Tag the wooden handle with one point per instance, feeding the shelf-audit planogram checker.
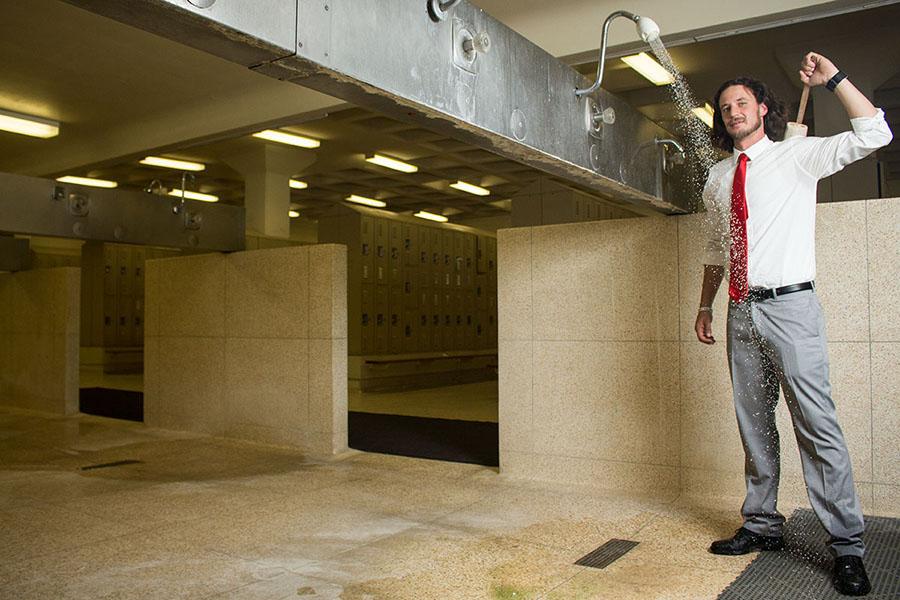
(803, 98)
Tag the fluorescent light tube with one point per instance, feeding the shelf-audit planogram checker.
(293, 214)
(288, 138)
(101, 183)
(195, 196)
(704, 113)
(472, 189)
(298, 185)
(366, 201)
(644, 64)
(391, 163)
(171, 163)
(431, 216)
(28, 125)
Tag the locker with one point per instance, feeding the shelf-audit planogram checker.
(366, 249)
(423, 331)
(395, 252)
(410, 341)
(382, 318)
(137, 322)
(109, 270)
(410, 245)
(395, 319)
(382, 250)
(110, 320)
(424, 236)
(124, 274)
(410, 288)
(491, 255)
(469, 262)
(481, 254)
(367, 319)
(124, 319)
(139, 257)
(481, 292)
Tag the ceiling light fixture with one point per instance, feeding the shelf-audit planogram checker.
(422, 214)
(471, 189)
(297, 184)
(651, 70)
(90, 181)
(28, 125)
(293, 214)
(366, 201)
(288, 138)
(704, 113)
(194, 196)
(391, 163)
(171, 163)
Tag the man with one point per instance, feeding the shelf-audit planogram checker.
(762, 200)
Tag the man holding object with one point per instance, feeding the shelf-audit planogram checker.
(762, 204)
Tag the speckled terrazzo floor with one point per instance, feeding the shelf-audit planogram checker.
(202, 517)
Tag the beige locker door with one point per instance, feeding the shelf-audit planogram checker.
(481, 254)
(410, 288)
(139, 258)
(367, 328)
(124, 273)
(366, 249)
(382, 250)
(424, 247)
(395, 252)
(395, 321)
(382, 319)
(410, 242)
(137, 321)
(124, 321)
(469, 262)
(410, 331)
(110, 280)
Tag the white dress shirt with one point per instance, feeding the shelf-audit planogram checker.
(781, 199)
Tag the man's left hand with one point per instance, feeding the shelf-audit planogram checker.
(815, 70)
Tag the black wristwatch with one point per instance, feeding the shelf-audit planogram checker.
(834, 81)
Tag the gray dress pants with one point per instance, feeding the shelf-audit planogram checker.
(782, 340)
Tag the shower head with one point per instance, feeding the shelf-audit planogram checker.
(647, 29)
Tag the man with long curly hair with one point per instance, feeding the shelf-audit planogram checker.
(762, 200)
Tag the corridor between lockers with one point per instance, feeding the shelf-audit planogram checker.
(422, 334)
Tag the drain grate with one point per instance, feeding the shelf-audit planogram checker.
(803, 572)
(606, 554)
(118, 463)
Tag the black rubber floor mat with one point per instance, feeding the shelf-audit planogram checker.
(473, 442)
(117, 404)
(803, 571)
(606, 554)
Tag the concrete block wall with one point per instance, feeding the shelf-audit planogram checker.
(39, 332)
(250, 345)
(622, 395)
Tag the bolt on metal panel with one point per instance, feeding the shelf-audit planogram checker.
(469, 77)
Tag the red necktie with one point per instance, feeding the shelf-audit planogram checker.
(738, 288)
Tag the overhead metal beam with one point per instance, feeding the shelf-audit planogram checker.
(35, 206)
(390, 55)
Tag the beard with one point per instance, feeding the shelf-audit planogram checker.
(753, 128)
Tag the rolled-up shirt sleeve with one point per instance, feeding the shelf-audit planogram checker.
(821, 157)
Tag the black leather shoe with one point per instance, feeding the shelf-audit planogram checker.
(849, 576)
(745, 541)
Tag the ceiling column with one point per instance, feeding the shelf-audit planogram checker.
(267, 170)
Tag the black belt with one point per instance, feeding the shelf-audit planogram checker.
(757, 294)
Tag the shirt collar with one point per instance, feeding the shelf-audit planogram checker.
(754, 151)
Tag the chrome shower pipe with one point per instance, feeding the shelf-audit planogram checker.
(647, 29)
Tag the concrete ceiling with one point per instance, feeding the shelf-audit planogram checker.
(121, 93)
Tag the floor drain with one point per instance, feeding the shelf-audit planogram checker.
(606, 554)
(118, 463)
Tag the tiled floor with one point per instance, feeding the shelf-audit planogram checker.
(202, 517)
